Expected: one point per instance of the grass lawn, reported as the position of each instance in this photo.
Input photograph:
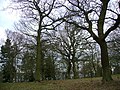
(75, 84)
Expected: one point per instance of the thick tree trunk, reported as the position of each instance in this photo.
(106, 71)
(38, 59)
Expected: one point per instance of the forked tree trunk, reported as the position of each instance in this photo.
(106, 71)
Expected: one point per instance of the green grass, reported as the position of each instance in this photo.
(75, 84)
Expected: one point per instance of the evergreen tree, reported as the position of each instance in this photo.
(49, 68)
(28, 66)
(7, 56)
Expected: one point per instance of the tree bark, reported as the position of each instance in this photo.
(69, 69)
(38, 59)
(74, 70)
(106, 71)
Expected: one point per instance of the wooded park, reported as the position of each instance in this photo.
(65, 41)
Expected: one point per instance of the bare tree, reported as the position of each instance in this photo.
(36, 16)
(94, 16)
(67, 43)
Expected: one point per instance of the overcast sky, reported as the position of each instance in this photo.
(7, 19)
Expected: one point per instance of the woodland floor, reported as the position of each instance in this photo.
(74, 84)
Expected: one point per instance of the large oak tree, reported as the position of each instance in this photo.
(99, 19)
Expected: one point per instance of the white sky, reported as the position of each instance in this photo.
(7, 19)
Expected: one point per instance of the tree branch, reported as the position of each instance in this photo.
(112, 28)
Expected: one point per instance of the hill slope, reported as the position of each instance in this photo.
(76, 84)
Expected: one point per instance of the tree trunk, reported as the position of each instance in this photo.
(69, 69)
(106, 71)
(38, 57)
(11, 70)
(74, 70)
